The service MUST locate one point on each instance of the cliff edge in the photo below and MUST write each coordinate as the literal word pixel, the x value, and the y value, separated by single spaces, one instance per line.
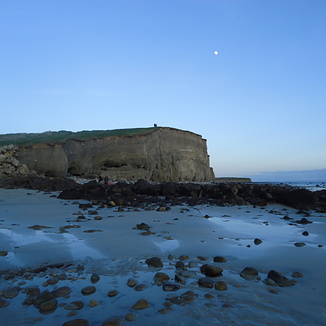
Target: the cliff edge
pixel 155 154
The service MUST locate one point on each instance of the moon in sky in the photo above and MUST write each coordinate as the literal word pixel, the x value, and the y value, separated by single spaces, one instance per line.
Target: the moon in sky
pixel 216 52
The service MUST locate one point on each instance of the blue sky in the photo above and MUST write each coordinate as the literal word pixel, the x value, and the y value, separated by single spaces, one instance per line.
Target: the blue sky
pixel 111 64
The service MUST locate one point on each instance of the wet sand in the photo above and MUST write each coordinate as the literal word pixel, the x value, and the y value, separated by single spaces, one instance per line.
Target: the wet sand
pixel 37 229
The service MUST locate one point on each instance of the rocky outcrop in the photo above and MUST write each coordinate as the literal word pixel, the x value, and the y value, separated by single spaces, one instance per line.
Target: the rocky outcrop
pixel 162 154
pixel 9 165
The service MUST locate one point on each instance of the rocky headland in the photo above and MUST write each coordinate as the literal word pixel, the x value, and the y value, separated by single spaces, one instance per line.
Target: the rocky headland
pixel 156 154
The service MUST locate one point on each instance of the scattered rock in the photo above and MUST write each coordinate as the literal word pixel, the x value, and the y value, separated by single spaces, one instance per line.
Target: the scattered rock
pixel 11 293
pixel 303 221
pixel 279 279
pixel 249 273
pixel 39 227
pixel 154 262
pixel 76 322
pixel 305 233
pixel 179 279
pixel 221 286
pixel 3 253
pixel 140 305
pixel 169 287
pixel 112 293
pixel 131 316
pixel 32 291
pixel 75 305
pixel 179 265
pixel 88 290
pixel 61 292
pixel 143 226
pixel 257 241
pixel 43 297
pixel 95 278
pixel 93 303
pixel 297 274
pixel 4 303
pixel 219 259
pixel 160 278
pixel 113 321
pixel 210 270
pixel 48 306
pixel 299 244
pixel 206 282
pixel 132 282
pixel 92 231
pixel 140 287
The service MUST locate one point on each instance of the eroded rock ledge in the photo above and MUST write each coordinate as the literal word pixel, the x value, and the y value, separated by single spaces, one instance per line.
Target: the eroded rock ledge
pixel 166 194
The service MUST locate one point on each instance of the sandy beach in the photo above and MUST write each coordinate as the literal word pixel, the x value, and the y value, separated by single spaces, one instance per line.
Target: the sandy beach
pixel 92 256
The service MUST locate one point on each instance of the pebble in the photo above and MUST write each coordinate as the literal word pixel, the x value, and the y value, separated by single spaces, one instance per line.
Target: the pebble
pixel 43 297
pixel 76 305
pixel 113 321
pixel 206 282
pixel 88 290
pixel 249 273
pixel 171 287
pixel 95 278
pixel 219 259
pixel 221 286
pixel 4 303
pixel 61 292
pixel 160 278
pixel 131 316
pixel 279 279
pixel 132 282
pixel 32 291
pixel 112 293
pixel 140 287
pixel 154 262
pixel 11 292
pixel 140 305
pixel 93 303
pixel 76 322
pixel 48 306
pixel 210 270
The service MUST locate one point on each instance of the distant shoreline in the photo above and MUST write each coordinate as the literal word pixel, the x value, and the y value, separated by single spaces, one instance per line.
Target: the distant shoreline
pixel 233 179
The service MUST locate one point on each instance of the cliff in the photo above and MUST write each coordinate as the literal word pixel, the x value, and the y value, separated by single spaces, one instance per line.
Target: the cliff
pixel 155 154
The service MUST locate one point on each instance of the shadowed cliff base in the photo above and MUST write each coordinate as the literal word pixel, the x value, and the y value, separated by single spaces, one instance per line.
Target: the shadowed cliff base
pixel 156 154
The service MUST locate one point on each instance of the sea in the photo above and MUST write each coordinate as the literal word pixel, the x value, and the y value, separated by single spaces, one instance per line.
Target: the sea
pixel 309 185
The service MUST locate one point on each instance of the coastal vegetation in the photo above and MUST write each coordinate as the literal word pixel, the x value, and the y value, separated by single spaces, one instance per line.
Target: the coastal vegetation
pixel 27 139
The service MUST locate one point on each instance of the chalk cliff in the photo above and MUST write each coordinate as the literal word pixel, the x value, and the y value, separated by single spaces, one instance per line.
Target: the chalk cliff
pixel 161 154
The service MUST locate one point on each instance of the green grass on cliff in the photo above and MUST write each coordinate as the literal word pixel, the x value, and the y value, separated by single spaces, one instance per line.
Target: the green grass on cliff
pixel 62 136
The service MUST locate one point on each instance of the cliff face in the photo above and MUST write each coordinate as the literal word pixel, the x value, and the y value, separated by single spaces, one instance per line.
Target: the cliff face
pixel 164 154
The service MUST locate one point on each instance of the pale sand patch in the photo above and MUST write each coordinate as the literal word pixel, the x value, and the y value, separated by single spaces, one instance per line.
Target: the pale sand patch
pixel 119 252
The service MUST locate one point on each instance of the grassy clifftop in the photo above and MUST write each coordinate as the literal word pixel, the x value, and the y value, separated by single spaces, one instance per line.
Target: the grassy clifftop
pixel 28 139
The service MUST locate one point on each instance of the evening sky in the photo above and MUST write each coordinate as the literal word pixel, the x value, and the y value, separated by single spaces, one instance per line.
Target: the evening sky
pixel 110 64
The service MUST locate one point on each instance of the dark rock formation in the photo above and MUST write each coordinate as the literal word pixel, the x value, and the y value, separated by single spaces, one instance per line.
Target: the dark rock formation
pixel 142 193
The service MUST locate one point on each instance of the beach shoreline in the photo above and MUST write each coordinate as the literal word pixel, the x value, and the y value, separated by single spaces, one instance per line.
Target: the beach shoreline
pixel 40 231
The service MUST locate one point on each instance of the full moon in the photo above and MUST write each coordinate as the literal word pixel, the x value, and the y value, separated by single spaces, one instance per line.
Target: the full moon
pixel 216 52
